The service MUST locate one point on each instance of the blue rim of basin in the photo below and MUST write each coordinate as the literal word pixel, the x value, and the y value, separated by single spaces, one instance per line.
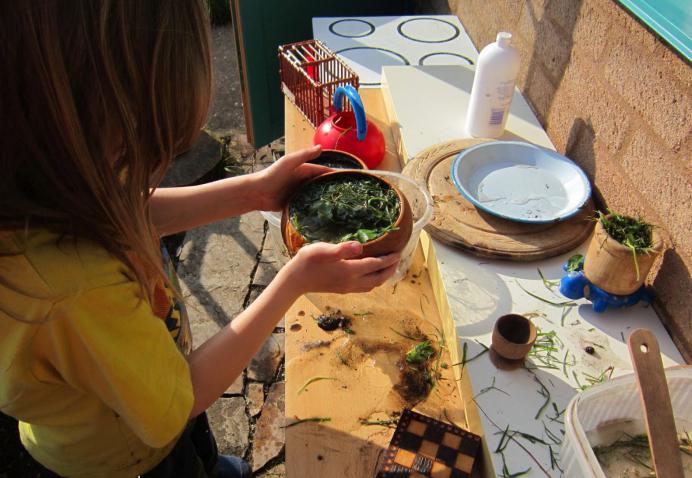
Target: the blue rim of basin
pixel 469 197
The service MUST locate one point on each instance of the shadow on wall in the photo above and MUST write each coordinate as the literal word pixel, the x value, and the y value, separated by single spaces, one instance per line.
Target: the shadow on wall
pixel 550 53
pixel 670 293
pixel 580 144
pixel 668 287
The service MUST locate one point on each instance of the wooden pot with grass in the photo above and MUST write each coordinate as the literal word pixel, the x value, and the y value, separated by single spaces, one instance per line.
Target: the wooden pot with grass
pixel 342 206
pixel 621 253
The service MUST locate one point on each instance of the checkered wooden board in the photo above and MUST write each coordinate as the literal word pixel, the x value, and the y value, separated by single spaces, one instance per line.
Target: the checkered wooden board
pixel 425 447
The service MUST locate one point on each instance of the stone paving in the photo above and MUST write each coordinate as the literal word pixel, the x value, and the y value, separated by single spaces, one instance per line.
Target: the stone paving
pixel 224 266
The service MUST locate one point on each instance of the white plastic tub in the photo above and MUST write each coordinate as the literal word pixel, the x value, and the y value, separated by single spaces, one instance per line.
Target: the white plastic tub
pixel 274 220
pixel 421 207
pixel 615 404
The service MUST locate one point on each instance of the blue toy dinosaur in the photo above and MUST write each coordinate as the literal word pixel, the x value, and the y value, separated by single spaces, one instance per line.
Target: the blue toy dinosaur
pixel 575 285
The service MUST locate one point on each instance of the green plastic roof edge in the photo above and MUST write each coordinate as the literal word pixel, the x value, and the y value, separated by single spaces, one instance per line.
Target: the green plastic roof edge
pixel 670 27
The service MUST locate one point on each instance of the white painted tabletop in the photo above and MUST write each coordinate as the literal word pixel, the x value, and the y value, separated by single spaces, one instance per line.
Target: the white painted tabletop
pixel 428 105
pixel 479 291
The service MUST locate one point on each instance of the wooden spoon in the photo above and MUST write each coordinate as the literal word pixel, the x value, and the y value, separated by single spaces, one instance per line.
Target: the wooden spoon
pixel 658 412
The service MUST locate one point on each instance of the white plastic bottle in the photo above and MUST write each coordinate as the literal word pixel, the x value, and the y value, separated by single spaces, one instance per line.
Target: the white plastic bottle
pixel 493 88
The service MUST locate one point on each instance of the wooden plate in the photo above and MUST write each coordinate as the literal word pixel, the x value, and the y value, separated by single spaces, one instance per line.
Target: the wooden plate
pixel 459 223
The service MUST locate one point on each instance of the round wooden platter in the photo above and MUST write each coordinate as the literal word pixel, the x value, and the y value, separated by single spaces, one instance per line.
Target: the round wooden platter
pixel 459 223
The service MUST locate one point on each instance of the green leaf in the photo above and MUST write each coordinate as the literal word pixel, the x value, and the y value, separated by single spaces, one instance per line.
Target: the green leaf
pixel 420 353
pixel 574 262
pixel 565 303
pixel 365 235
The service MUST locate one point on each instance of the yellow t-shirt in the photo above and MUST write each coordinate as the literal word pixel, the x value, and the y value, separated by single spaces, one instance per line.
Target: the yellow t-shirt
pixel 91 373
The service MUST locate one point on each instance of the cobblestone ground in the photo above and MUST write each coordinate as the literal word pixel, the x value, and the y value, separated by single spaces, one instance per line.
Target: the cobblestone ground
pixel 223 268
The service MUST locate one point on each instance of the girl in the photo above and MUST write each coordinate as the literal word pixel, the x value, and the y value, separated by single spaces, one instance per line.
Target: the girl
pixel 96 98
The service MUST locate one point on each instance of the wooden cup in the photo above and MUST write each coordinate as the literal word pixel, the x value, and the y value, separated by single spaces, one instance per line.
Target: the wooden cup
pixel 513 336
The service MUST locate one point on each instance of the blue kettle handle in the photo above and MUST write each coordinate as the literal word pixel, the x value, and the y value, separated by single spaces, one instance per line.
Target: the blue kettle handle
pixel 356 104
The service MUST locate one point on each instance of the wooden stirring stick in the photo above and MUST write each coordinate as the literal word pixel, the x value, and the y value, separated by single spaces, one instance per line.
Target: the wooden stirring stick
pixel 658 412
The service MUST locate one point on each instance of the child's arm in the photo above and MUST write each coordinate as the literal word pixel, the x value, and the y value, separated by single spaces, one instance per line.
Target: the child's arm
pixel 179 209
pixel 319 267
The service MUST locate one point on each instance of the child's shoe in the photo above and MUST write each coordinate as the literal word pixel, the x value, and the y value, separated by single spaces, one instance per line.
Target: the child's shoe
pixel 228 466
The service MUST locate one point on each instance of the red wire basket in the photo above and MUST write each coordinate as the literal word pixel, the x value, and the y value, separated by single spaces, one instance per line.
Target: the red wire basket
pixel 310 73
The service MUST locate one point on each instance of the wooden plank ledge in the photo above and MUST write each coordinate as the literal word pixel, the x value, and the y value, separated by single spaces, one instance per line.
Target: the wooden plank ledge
pixel 352 379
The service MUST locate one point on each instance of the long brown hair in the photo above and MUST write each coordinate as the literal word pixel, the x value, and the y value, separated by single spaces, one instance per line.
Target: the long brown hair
pixel 96 98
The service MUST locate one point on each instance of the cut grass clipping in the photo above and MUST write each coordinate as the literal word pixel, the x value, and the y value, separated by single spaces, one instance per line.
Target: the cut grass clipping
pixel 635 234
pixel 312 380
pixel 307 420
pixel 345 209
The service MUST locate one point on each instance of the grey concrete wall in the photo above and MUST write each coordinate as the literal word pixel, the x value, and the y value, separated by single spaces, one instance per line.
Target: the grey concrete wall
pixel 617 100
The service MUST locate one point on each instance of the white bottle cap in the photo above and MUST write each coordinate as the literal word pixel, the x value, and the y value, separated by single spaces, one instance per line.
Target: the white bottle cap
pixel 504 39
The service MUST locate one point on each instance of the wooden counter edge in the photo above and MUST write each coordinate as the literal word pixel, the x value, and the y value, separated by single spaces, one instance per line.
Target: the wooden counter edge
pixel 473 419
pixel 464 386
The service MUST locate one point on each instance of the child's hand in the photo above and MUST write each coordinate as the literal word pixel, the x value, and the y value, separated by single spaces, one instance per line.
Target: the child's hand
pixel 278 181
pixel 324 267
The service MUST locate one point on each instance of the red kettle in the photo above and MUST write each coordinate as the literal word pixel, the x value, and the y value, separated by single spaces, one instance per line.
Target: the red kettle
pixel 349 131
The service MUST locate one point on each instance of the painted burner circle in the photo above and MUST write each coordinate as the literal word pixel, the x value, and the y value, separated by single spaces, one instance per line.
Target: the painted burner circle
pixel 368 61
pixel 351 28
pixel 444 58
pixel 428 30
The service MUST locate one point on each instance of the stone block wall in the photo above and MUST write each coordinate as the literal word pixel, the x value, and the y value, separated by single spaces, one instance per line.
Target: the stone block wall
pixel 617 100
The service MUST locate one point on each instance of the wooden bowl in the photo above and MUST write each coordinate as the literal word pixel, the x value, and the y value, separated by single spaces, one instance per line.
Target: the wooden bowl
pixel 335 159
pixel 392 241
pixel 513 336
pixel 610 265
